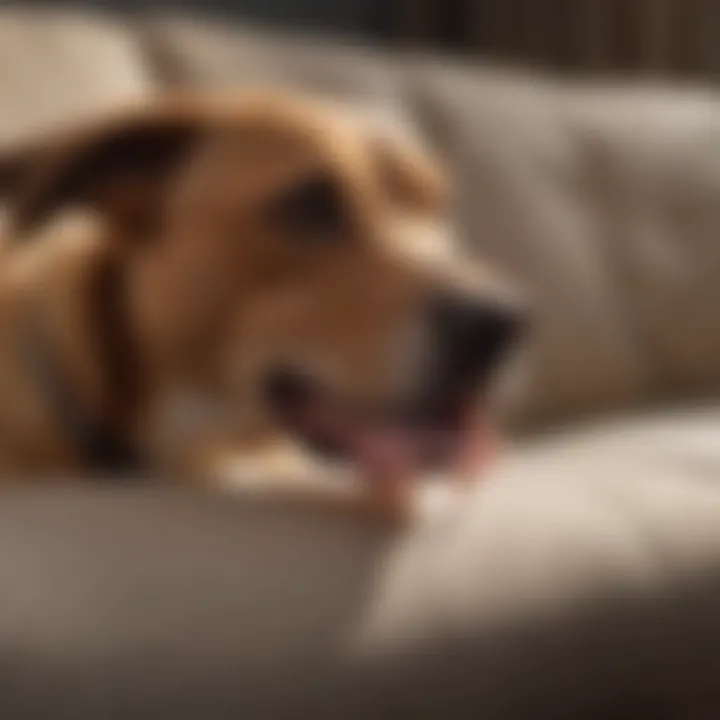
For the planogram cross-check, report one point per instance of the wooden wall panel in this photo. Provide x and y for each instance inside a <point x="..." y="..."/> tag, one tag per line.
<point x="656" y="37"/>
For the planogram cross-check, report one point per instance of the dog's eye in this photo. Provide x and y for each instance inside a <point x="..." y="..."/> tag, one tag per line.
<point x="314" y="210"/>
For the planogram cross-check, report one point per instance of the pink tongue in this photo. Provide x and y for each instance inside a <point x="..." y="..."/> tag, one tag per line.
<point x="388" y="452"/>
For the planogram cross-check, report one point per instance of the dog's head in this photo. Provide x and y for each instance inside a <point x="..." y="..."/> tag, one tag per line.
<point x="291" y="256"/>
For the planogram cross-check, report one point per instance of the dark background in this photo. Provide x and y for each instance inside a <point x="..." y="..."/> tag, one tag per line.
<point x="662" y="38"/>
<point x="369" y="18"/>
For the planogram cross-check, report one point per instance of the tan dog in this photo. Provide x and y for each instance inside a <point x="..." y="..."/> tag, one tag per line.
<point x="263" y="266"/>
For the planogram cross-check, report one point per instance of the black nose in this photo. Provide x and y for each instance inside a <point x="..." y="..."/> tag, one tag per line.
<point x="472" y="335"/>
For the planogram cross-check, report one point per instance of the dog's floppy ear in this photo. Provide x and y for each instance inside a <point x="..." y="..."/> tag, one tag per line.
<point x="119" y="168"/>
<point x="411" y="177"/>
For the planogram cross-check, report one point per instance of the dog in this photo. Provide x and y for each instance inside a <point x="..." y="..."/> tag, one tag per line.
<point x="256" y="268"/>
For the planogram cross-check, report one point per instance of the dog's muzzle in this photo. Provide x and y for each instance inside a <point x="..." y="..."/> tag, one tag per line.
<point x="442" y="425"/>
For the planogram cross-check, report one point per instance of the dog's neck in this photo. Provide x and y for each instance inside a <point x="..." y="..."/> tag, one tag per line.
<point x="101" y="326"/>
<point x="69" y="339"/>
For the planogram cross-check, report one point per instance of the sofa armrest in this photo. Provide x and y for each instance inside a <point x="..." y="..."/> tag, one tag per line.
<point x="149" y="603"/>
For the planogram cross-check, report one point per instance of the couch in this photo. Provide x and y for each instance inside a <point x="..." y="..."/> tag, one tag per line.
<point x="580" y="579"/>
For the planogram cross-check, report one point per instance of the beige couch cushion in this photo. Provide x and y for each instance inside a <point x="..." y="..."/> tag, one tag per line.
<point x="655" y="164"/>
<point x="189" y="52"/>
<point x="57" y="66"/>
<point x="606" y="203"/>
<point x="522" y="202"/>
<point x="581" y="580"/>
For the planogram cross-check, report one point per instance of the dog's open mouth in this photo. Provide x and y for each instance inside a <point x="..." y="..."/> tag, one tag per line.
<point x="452" y="435"/>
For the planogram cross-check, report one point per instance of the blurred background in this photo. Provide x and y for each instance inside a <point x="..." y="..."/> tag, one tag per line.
<point x="675" y="38"/>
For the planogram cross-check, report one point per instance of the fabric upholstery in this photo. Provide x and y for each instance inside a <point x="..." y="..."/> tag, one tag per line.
<point x="59" y="66"/>
<point x="653" y="157"/>
<point x="522" y="204"/>
<point x="194" y="52"/>
<point x="580" y="580"/>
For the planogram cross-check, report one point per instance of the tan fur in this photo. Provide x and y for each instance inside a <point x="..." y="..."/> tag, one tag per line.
<point x="215" y="289"/>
